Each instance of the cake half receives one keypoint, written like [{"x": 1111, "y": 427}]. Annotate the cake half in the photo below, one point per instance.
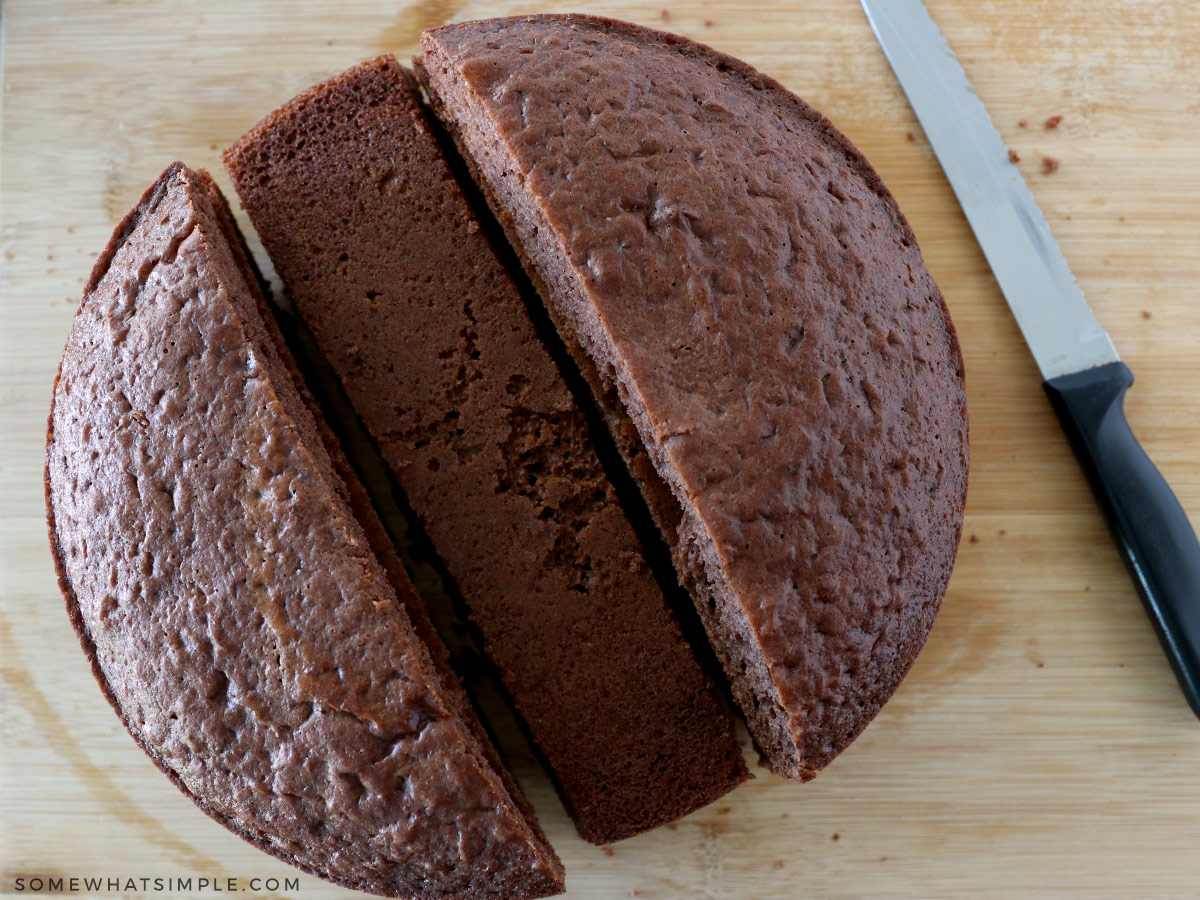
[
  {"x": 752, "y": 308},
  {"x": 231, "y": 604},
  {"x": 386, "y": 265}
]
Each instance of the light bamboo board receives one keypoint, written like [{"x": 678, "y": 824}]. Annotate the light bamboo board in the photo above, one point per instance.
[{"x": 1039, "y": 747}]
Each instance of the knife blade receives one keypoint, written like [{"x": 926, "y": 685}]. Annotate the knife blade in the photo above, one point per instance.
[{"x": 1083, "y": 376}]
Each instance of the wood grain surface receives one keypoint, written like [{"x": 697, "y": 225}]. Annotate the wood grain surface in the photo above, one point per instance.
[{"x": 1039, "y": 748}]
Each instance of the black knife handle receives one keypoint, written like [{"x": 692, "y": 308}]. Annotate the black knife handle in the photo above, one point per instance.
[{"x": 1150, "y": 527}]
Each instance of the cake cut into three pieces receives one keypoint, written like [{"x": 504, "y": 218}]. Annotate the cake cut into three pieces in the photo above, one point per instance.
[{"x": 752, "y": 318}]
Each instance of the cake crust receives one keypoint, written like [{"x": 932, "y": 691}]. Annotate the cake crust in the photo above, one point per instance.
[
  {"x": 227, "y": 599},
  {"x": 745, "y": 285}
]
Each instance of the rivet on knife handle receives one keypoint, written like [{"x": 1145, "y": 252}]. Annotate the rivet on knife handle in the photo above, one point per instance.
[{"x": 1150, "y": 527}]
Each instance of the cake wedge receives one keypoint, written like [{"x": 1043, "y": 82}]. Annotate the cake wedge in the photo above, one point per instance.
[{"x": 229, "y": 600}]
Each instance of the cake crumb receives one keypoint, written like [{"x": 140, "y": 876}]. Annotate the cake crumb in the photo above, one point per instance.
[
  {"x": 783, "y": 815},
  {"x": 1014, "y": 157},
  {"x": 779, "y": 863},
  {"x": 666, "y": 15},
  {"x": 708, "y": 23},
  {"x": 1053, "y": 122},
  {"x": 672, "y": 826},
  {"x": 1001, "y": 531},
  {"x": 1120, "y": 218},
  {"x": 1146, "y": 314},
  {"x": 836, "y": 836},
  {"x": 608, "y": 851},
  {"x": 1049, "y": 165},
  {"x": 1024, "y": 123},
  {"x": 974, "y": 539},
  {"x": 909, "y": 135},
  {"x": 1087, "y": 587},
  {"x": 724, "y": 810},
  {"x": 883, "y": 859}
]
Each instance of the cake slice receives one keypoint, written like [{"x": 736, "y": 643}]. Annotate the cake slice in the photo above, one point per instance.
[
  {"x": 228, "y": 598},
  {"x": 387, "y": 267},
  {"x": 753, "y": 310}
]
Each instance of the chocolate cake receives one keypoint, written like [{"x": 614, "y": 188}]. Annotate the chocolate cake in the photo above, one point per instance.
[
  {"x": 228, "y": 598},
  {"x": 387, "y": 266},
  {"x": 739, "y": 284}
]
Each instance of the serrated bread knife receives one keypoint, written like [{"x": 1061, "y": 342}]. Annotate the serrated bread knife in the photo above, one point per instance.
[{"x": 1082, "y": 373}]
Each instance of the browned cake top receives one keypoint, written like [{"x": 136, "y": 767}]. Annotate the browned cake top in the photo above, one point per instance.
[
  {"x": 742, "y": 274},
  {"x": 387, "y": 266},
  {"x": 233, "y": 611}
]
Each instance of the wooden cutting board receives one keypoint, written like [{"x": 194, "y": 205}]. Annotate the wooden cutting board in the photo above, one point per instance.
[{"x": 1039, "y": 747}]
